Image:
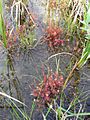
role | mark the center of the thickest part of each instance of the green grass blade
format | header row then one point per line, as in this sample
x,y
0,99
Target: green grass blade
x,y
5,95
85,55
80,114
32,109
0,6
2,26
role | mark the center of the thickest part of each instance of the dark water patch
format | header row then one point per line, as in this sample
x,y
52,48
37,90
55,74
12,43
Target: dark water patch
x,y
85,85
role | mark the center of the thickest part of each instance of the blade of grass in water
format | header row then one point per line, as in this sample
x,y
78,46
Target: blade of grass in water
x,y
22,113
14,111
49,109
5,95
32,109
80,114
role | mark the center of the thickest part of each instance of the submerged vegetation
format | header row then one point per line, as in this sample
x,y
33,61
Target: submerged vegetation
x,y
55,88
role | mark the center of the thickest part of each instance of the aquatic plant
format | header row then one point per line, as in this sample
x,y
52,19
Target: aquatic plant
x,y
49,88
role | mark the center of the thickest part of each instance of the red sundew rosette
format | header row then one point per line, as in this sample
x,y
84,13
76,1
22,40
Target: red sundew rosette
x,y
51,87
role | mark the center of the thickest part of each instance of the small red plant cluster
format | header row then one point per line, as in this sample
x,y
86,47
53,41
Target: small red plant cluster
x,y
50,87
53,35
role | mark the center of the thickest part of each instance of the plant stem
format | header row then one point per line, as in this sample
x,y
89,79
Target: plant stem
x,y
70,75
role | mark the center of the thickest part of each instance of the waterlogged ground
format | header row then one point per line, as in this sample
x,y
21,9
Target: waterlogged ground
x,y
17,77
